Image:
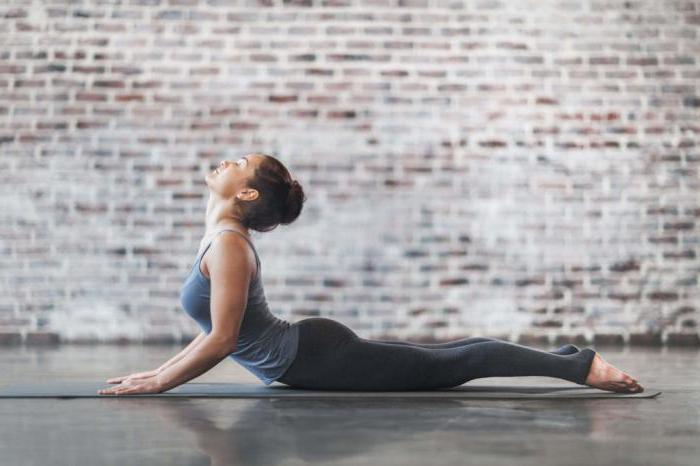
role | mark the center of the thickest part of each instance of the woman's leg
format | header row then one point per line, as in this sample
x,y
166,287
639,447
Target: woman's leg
x,y
566,349
332,357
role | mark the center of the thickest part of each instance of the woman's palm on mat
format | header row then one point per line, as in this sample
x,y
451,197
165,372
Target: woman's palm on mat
x,y
139,386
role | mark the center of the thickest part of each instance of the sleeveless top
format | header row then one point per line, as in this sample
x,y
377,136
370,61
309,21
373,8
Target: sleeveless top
x,y
266,345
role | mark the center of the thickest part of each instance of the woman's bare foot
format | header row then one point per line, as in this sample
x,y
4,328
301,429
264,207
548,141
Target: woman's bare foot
x,y
605,376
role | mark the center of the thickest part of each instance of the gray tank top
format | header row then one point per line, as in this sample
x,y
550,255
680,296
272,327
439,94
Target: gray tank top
x,y
266,345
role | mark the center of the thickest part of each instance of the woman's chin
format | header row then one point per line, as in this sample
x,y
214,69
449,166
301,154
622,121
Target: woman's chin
x,y
208,183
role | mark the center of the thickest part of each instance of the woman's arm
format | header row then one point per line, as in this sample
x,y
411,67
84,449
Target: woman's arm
x,y
193,344
230,268
209,353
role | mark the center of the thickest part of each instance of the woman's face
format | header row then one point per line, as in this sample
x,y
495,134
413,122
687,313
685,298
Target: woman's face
x,y
231,177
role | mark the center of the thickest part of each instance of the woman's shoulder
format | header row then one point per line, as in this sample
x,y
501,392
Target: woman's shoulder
x,y
229,246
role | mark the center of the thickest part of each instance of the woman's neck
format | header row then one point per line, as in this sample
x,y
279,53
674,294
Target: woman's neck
x,y
218,219
212,230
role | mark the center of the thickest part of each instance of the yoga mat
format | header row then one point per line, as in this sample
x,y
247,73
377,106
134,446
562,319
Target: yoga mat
x,y
88,389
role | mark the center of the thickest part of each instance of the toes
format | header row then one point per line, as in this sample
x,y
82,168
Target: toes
x,y
628,379
622,386
635,388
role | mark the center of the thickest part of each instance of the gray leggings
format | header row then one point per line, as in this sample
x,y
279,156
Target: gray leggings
x,y
332,357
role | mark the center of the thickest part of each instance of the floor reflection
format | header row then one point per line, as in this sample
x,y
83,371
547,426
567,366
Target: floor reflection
x,y
181,431
323,432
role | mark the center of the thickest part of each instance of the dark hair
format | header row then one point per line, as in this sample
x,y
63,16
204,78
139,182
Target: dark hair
x,y
279,201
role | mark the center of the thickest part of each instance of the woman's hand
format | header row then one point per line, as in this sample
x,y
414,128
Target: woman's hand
x,y
135,387
134,376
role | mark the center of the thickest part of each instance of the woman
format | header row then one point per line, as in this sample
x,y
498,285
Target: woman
x,y
223,293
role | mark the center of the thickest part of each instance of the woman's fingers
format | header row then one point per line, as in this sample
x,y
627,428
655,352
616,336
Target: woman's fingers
x,y
137,375
116,379
117,389
134,376
130,387
110,391
120,379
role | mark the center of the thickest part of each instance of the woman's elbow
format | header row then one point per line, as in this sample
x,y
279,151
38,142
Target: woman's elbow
x,y
224,345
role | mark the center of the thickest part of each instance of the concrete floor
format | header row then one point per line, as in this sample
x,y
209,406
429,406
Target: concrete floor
x,y
661,431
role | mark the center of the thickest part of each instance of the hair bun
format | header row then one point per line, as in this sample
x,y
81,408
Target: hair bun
x,y
292,195
295,199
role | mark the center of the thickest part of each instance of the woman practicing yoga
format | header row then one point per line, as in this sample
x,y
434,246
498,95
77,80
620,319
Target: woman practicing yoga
x,y
223,293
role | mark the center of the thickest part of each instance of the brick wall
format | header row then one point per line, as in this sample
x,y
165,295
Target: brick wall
x,y
526,170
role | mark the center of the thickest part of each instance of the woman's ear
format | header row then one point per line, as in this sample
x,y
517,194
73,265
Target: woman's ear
x,y
248,194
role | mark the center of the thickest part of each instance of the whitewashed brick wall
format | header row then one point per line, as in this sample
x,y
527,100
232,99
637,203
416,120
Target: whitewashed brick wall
x,y
521,169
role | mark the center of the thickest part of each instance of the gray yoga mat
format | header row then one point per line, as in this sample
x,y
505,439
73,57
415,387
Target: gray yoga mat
x,y
88,389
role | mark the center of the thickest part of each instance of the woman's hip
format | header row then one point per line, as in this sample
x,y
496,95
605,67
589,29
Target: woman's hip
x,y
321,340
